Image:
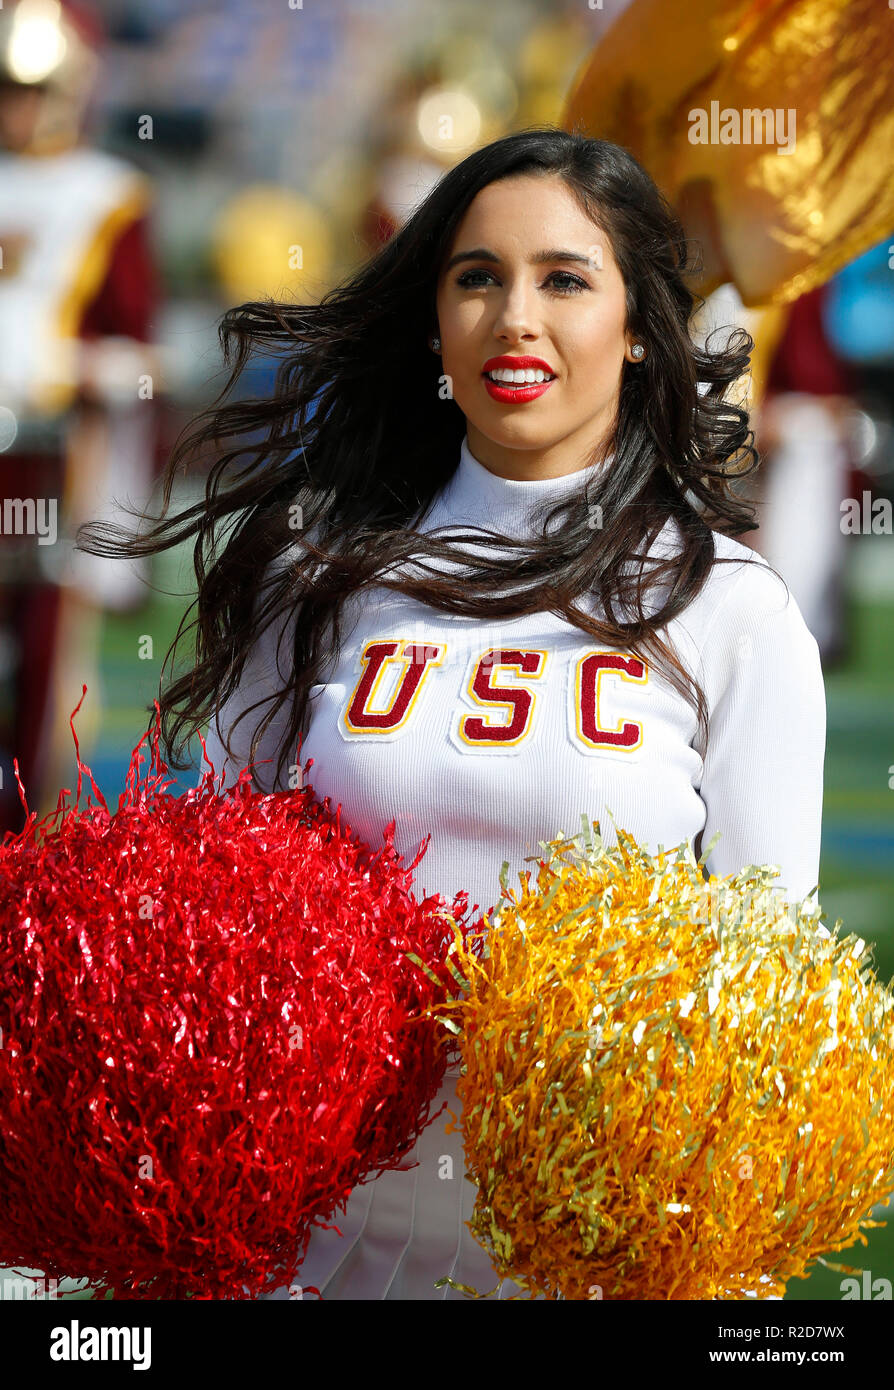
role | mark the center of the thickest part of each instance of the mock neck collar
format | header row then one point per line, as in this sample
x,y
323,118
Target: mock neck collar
x,y
477,494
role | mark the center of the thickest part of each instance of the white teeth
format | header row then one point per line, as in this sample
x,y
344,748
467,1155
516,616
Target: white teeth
x,y
524,376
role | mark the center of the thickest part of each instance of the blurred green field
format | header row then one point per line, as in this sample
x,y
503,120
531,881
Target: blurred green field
x,y
857,866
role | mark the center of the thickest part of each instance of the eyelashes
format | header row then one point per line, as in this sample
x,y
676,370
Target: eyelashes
x,y
575,287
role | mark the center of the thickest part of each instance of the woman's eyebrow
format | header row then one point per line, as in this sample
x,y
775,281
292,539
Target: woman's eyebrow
x,y
539,257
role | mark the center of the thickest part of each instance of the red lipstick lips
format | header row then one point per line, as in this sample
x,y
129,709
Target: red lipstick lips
x,y
500,391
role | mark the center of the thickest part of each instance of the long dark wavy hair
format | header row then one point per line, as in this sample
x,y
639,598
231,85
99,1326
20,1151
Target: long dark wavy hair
x,y
360,435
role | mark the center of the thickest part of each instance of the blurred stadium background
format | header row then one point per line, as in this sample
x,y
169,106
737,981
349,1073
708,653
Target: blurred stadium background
x,y
256,126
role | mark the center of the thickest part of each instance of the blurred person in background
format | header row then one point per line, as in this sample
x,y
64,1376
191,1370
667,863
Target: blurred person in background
x,y
804,432
457,91
801,396
775,213
77,304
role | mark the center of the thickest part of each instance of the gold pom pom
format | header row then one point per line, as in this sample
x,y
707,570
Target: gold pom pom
x,y
671,1087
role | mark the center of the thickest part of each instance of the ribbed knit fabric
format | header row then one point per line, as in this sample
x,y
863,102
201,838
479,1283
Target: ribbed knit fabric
x,y
590,731
412,724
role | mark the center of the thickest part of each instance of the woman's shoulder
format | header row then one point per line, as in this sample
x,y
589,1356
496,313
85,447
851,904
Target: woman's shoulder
x,y
744,607
736,569
737,575
751,622
744,580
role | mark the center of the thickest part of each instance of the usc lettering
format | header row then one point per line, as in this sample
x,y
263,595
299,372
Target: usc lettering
x,y
591,670
508,708
377,658
472,727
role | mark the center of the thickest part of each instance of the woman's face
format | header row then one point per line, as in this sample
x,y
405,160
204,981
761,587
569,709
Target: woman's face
x,y
529,275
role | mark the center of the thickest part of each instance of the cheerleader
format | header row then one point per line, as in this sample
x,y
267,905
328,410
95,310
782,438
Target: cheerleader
x,y
480,577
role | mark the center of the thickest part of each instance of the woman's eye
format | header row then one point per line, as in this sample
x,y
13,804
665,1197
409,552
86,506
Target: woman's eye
x,y
573,285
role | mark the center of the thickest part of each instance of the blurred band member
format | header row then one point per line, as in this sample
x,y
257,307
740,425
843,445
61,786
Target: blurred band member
x,y
77,303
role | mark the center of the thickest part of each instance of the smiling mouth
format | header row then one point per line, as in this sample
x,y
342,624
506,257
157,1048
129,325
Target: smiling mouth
x,y
524,377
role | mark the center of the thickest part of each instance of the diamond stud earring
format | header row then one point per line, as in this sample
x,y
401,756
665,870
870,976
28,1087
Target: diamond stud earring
x,y
638,351
436,344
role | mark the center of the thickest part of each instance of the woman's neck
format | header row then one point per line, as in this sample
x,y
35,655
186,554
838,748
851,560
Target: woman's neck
x,y
537,464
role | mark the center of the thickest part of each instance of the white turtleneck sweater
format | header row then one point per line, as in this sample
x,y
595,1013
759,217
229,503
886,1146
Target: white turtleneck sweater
x,y
412,724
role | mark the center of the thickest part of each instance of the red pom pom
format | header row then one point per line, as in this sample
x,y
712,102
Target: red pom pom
x,y
211,1032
